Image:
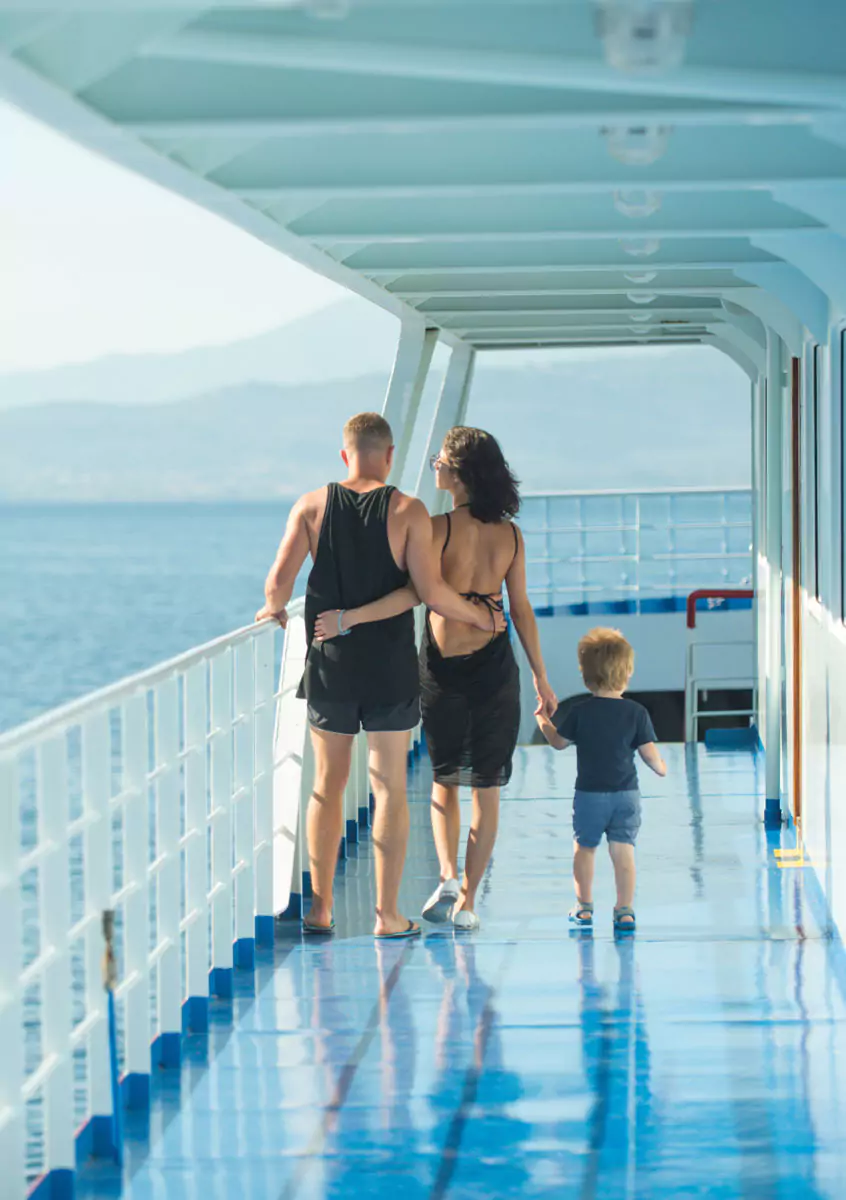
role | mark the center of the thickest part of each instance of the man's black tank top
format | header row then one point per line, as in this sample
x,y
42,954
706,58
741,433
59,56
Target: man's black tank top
x,y
374,664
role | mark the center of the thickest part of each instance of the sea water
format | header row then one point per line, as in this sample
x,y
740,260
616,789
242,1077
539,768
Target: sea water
x,y
92,593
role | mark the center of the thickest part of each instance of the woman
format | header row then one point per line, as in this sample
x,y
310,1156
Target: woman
x,y
470,687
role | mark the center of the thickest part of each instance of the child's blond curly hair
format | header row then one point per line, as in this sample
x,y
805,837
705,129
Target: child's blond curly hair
x,y
606,660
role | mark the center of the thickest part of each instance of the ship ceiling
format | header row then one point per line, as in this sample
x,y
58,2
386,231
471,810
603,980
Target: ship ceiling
x,y
494,166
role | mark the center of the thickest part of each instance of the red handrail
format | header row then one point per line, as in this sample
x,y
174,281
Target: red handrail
x,y
713,594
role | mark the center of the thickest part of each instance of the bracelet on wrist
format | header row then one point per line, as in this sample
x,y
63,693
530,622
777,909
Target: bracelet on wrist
x,y
341,631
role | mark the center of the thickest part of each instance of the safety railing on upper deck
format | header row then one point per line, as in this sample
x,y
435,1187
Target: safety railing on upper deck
x,y
172,799
635,551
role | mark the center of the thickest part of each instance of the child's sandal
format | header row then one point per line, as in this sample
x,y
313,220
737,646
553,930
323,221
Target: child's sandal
x,y
624,919
582,915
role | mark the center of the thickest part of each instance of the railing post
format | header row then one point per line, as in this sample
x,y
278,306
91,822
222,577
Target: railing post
x,y
195,698
221,821
168,1043
452,403
263,734
11,957
136,908
54,913
774,585
98,882
402,401
243,807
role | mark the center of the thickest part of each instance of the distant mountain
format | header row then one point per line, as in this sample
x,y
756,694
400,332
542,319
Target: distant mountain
x,y
342,341
634,421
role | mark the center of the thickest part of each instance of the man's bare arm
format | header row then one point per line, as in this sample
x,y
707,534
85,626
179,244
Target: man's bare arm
x,y
290,556
424,569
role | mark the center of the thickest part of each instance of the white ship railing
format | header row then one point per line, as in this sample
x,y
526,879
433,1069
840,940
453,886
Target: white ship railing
x,y
630,547
153,798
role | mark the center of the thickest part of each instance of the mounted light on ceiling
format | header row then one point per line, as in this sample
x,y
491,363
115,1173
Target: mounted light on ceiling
x,y
640,317
644,35
637,145
640,276
636,202
328,10
640,247
641,297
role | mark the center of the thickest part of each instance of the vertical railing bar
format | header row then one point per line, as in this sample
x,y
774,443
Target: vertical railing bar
x,y
195,700
243,804
221,836
12,1136
97,878
54,920
168,890
263,754
136,855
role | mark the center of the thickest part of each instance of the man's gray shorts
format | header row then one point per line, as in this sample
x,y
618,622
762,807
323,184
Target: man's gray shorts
x,y
348,717
616,814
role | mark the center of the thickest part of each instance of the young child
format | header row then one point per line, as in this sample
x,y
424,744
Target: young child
x,y
606,730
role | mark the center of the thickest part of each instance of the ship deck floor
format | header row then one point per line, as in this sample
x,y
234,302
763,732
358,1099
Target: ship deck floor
x,y
702,1057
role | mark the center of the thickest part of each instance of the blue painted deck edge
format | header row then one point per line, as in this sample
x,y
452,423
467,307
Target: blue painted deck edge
x,y
656,604
166,1050
221,982
364,817
295,906
352,832
244,953
195,1015
731,739
55,1185
264,931
307,888
95,1139
135,1090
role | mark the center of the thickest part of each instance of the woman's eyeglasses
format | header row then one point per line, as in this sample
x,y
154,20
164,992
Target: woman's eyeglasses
x,y
436,461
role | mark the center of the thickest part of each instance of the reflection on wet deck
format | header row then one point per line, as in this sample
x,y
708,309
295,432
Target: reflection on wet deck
x,y
702,1058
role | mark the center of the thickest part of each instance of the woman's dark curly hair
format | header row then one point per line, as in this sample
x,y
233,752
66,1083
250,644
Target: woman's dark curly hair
x,y
477,459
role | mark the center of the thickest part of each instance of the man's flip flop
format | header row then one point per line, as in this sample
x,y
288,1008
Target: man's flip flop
x,y
413,930
318,929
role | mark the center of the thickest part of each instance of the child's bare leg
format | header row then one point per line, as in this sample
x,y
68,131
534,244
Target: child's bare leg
x,y
584,861
446,828
480,844
623,858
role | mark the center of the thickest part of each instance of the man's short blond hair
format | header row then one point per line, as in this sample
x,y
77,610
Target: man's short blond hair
x,y
368,432
606,659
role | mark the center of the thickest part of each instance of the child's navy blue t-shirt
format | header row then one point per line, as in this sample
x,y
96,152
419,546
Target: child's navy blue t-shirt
x,y
607,733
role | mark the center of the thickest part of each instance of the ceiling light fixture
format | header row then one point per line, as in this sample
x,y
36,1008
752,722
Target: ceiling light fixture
x,y
636,202
640,276
644,35
640,247
637,145
642,297
328,10
640,316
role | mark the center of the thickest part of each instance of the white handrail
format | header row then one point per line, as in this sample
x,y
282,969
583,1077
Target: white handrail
x,y
188,749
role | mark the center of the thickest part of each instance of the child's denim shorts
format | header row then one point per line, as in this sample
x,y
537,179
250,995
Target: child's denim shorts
x,y
616,814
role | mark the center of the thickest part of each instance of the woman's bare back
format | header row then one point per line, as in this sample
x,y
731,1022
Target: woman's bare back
x,y
475,559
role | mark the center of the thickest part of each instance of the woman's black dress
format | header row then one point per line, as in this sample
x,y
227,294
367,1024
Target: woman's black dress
x,y
471,706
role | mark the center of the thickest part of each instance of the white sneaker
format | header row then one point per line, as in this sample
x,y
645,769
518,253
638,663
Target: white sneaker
x,y
465,922
439,905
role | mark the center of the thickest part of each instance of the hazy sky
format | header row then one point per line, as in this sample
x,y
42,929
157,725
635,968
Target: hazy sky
x,y
95,259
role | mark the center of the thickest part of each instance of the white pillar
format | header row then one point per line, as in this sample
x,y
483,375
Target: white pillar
x,y
772,552
402,400
450,410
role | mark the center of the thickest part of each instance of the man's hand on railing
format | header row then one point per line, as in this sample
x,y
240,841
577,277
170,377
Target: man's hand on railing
x,y
282,616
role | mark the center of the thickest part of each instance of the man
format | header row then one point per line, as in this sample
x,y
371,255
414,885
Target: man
x,y
366,540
